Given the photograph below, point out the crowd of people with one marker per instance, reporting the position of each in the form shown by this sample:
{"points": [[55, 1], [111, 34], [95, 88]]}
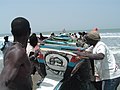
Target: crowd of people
{"points": [[98, 71]]}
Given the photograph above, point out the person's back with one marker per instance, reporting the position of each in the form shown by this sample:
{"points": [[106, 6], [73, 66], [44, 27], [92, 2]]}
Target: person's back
{"points": [[108, 64], [20, 62], [16, 74]]}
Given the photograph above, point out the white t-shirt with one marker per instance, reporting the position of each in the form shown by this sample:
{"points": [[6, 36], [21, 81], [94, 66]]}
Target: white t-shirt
{"points": [[106, 68], [29, 48]]}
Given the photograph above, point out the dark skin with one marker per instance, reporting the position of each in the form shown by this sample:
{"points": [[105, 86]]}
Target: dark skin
{"points": [[16, 68], [91, 56], [16, 74]]}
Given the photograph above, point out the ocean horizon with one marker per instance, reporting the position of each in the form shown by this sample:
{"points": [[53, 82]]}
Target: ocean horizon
{"points": [[47, 32]]}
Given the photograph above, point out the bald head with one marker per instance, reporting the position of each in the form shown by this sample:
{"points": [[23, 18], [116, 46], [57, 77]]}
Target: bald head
{"points": [[20, 26]]}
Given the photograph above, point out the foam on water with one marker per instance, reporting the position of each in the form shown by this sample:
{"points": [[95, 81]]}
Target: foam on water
{"points": [[1, 57], [2, 38], [110, 35], [111, 39]]}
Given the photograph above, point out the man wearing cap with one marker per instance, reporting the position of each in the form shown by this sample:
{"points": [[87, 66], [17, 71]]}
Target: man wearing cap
{"points": [[6, 44], [16, 73], [106, 69]]}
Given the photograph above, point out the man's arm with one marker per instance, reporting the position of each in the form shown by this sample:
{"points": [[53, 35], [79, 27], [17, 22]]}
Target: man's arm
{"points": [[99, 56], [13, 60]]}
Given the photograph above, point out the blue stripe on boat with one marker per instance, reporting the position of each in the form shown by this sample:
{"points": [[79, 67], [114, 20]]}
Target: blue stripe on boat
{"points": [[71, 64], [41, 60], [72, 48]]}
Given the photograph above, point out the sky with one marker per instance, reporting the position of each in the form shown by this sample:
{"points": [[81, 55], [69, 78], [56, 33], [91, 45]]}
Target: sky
{"points": [[54, 15]]}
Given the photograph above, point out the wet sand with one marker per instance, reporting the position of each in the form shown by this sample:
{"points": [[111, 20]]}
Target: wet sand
{"points": [[35, 79], [50, 75]]}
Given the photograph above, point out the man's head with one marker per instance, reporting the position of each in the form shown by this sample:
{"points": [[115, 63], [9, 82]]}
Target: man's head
{"points": [[6, 38], [20, 27], [92, 37], [41, 35], [33, 40]]}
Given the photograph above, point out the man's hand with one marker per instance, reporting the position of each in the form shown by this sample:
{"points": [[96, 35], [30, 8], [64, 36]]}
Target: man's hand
{"points": [[81, 55]]}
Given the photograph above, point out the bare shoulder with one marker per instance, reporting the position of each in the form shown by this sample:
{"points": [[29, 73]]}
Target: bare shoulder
{"points": [[15, 53]]}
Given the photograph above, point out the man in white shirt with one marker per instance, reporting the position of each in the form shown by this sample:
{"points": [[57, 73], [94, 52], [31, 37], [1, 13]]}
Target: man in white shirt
{"points": [[104, 62]]}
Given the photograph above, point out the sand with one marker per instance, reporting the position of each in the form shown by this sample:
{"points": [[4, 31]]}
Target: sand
{"points": [[50, 76], [35, 79]]}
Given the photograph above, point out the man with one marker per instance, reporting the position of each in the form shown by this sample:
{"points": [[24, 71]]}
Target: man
{"points": [[106, 70], [41, 38], [37, 58], [6, 44], [16, 74]]}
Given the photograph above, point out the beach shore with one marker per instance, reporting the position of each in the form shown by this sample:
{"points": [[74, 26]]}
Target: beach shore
{"points": [[49, 82], [35, 79]]}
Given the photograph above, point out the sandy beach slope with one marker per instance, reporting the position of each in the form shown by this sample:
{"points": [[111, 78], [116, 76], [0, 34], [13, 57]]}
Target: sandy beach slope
{"points": [[50, 81]]}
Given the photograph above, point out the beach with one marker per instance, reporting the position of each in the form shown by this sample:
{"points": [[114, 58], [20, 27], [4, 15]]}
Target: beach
{"points": [[50, 75], [112, 39], [48, 83], [35, 79]]}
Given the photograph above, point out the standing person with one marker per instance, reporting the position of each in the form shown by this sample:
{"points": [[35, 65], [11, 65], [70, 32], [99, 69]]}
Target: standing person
{"points": [[42, 37], [52, 35], [16, 73], [106, 69], [6, 44], [37, 58], [80, 41]]}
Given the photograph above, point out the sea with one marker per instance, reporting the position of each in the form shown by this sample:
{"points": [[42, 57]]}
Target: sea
{"points": [[111, 37]]}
